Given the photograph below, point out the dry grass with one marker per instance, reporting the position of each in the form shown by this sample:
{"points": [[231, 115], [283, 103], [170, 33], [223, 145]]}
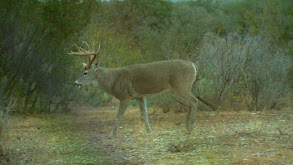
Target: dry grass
{"points": [[82, 138], [228, 138], [51, 139]]}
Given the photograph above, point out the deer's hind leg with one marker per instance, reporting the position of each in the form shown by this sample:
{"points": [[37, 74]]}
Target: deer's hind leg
{"points": [[191, 115], [143, 109], [191, 102]]}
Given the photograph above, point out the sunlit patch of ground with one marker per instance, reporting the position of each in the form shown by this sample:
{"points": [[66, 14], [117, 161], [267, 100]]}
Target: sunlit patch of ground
{"points": [[81, 137]]}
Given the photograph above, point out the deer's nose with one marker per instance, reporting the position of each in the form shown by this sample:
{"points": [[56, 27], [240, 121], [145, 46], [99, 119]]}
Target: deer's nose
{"points": [[77, 83]]}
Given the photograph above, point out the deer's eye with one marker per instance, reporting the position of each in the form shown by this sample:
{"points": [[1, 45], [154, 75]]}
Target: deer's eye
{"points": [[85, 73]]}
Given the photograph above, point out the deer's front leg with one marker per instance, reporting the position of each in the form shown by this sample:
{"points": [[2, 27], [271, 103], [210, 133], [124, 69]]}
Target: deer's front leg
{"points": [[143, 109], [122, 108]]}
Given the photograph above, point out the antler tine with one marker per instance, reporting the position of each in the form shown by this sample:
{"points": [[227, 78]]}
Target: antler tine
{"points": [[83, 52], [94, 45], [87, 45], [99, 48], [80, 49], [77, 47]]}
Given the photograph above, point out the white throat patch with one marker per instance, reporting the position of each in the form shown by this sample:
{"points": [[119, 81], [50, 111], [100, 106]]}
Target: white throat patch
{"points": [[194, 70]]}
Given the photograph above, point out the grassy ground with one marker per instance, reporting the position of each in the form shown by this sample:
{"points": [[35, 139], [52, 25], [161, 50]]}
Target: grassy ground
{"points": [[51, 139], [81, 137]]}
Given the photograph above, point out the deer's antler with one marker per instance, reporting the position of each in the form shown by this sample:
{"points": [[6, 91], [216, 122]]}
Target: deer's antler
{"points": [[90, 52]]}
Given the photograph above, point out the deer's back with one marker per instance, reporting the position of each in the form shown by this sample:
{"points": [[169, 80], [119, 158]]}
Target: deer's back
{"points": [[158, 76]]}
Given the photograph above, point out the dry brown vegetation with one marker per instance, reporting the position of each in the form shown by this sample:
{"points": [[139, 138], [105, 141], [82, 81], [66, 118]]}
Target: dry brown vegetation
{"points": [[81, 137]]}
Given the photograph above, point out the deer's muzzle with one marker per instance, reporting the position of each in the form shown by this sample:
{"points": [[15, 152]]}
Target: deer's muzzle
{"points": [[77, 83]]}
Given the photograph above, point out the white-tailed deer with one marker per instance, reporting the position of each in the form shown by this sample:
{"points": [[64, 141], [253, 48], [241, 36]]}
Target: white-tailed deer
{"points": [[137, 81]]}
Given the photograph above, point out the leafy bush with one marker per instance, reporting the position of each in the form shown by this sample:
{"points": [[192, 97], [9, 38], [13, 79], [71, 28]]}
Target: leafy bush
{"points": [[32, 52]]}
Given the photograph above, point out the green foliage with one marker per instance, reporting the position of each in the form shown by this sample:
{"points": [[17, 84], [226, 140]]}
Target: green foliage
{"points": [[35, 37], [95, 98], [32, 52], [133, 102]]}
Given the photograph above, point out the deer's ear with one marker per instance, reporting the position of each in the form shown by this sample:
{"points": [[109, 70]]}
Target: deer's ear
{"points": [[97, 64], [84, 64]]}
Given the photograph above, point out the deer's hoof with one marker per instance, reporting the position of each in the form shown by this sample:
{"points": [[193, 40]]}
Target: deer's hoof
{"points": [[190, 127], [112, 136]]}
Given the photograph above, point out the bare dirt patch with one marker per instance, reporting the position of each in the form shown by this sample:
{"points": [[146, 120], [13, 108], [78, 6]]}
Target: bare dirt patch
{"points": [[81, 137]]}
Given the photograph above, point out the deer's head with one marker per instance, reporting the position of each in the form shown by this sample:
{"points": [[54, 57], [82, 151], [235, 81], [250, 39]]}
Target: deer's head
{"points": [[88, 75]]}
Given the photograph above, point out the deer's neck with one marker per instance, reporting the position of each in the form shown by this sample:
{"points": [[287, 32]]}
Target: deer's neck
{"points": [[106, 78]]}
